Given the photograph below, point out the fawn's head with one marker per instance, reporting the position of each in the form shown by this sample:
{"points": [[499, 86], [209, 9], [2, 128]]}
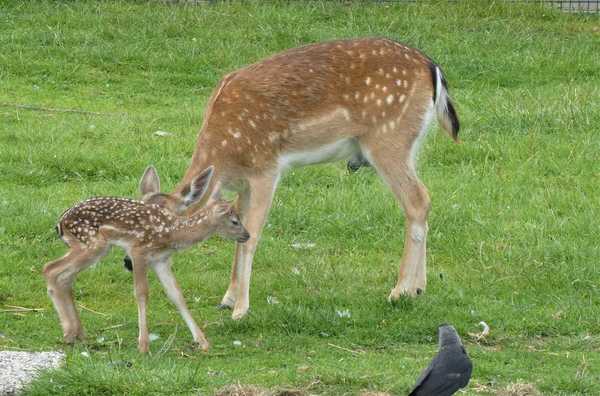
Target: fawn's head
{"points": [[222, 213], [175, 203], [227, 221]]}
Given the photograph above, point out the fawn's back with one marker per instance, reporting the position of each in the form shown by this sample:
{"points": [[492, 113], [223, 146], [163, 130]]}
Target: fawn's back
{"points": [[115, 218]]}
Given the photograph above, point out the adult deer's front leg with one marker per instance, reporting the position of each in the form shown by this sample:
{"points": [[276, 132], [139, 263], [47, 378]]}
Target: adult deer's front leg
{"points": [[254, 207], [228, 300]]}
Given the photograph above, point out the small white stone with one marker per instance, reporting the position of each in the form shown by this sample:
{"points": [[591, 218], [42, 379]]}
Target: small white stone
{"points": [[345, 313], [153, 337]]}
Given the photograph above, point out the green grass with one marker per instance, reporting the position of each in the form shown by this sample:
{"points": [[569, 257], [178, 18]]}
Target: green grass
{"points": [[513, 229]]}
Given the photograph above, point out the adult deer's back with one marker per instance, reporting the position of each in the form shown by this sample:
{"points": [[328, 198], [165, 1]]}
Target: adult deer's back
{"points": [[321, 103]]}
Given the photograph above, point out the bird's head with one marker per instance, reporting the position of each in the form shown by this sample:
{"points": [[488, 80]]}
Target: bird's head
{"points": [[447, 335]]}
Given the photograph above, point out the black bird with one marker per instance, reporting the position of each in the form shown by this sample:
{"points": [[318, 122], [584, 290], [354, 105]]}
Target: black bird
{"points": [[449, 370]]}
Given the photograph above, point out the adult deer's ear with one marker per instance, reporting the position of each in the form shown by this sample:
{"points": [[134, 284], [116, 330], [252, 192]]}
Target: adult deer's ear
{"points": [[198, 186], [150, 182]]}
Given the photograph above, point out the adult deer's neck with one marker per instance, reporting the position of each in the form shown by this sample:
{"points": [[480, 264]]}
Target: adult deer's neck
{"points": [[205, 155], [207, 150]]}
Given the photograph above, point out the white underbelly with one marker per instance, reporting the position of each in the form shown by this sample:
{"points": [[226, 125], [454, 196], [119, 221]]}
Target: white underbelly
{"points": [[336, 151]]}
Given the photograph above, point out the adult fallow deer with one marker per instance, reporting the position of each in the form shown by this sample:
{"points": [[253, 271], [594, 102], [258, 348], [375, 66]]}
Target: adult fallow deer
{"points": [[320, 103]]}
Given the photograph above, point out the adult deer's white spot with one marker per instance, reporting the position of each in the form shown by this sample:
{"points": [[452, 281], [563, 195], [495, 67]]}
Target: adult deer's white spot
{"points": [[417, 233]]}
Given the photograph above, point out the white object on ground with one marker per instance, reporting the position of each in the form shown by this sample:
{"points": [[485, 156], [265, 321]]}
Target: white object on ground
{"points": [[17, 369], [486, 329], [153, 337], [345, 313], [303, 245]]}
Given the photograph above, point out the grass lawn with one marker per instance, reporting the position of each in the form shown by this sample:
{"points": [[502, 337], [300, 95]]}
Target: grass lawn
{"points": [[514, 236]]}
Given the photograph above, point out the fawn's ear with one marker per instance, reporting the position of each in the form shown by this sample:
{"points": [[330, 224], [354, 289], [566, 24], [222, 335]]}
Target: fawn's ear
{"points": [[198, 186], [223, 208], [150, 183]]}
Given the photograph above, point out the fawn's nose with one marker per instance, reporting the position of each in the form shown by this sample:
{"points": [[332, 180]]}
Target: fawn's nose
{"points": [[244, 237]]}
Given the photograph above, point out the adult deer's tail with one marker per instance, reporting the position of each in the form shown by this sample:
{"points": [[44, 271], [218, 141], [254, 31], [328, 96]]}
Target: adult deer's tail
{"points": [[444, 108]]}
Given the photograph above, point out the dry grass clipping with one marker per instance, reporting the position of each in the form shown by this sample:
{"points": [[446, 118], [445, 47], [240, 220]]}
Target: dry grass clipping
{"points": [[250, 390], [519, 389]]}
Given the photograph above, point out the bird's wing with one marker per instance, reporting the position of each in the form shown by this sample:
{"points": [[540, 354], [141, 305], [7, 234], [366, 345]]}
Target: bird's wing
{"points": [[424, 374], [434, 384]]}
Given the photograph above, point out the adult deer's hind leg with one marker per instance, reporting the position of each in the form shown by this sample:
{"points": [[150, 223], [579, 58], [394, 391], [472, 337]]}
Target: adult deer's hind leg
{"points": [[60, 275], [393, 162]]}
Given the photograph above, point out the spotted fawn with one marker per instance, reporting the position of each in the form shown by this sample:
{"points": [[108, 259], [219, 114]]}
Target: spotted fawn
{"points": [[150, 230]]}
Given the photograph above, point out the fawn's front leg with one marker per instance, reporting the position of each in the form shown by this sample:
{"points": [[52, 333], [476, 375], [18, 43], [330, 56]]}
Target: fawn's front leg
{"points": [[140, 284], [167, 279]]}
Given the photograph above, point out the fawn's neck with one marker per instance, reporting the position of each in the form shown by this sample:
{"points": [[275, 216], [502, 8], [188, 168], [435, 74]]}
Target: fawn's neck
{"points": [[194, 228]]}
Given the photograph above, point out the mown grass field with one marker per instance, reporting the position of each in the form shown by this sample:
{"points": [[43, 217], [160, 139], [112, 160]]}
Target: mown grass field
{"points": [[513, 230]]}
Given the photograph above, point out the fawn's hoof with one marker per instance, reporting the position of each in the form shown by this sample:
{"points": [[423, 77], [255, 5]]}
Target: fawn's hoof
{"points": [[72, 338], [204, 346]]}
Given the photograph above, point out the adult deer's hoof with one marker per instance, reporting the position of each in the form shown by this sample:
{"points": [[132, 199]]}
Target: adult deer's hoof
{"points": [[398, 293], [239, 313]]}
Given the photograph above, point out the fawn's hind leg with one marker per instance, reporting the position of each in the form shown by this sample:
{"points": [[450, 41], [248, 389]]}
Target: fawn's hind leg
{"points": [[60, 275], [140, 288]]}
